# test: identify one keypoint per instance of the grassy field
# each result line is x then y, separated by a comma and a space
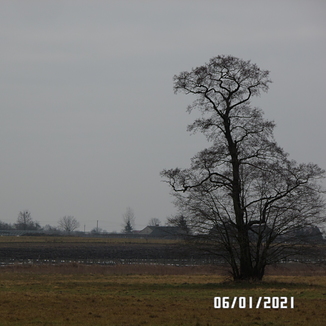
152, 295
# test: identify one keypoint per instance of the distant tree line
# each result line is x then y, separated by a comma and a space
25, 221
69, 224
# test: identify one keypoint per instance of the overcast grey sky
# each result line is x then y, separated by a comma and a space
88, 114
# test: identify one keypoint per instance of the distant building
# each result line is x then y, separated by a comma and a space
309, 233
165, 232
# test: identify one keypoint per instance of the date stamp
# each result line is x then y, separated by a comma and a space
254, 303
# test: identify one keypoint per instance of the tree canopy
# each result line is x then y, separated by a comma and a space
243, 197
129, 220
68, 224
25, 222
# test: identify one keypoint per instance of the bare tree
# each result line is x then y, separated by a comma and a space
129, 220
243, 198
154, 222
179, 221
25, 222
68, 224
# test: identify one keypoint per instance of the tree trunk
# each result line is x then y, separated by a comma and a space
247, 271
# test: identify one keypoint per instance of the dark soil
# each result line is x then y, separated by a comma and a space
75, 251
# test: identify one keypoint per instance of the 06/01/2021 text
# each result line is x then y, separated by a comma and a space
261, 302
